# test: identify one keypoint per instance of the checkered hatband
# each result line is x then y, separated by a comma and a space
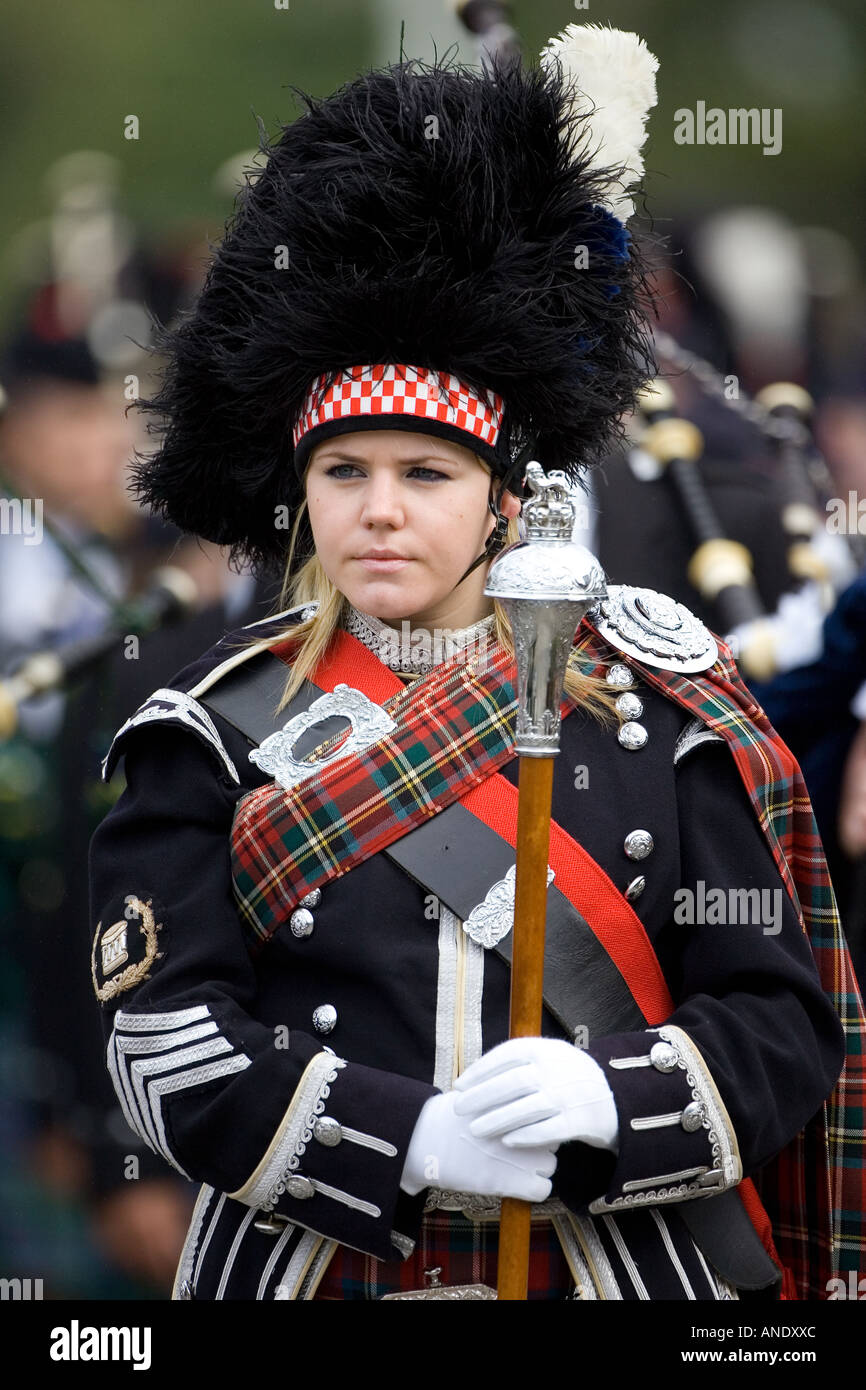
400, 396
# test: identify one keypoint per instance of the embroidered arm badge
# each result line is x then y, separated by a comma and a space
125, 947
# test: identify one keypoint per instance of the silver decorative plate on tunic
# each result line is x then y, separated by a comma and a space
493, 919
369, 721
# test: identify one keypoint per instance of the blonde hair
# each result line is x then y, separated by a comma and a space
309, 584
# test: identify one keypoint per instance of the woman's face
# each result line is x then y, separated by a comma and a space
397, 518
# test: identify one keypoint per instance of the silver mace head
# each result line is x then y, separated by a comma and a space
546, 584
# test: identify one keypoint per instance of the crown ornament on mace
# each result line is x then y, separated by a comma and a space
546, 584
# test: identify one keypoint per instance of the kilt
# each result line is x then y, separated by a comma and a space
465, 1252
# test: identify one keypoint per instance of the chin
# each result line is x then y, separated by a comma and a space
387, 601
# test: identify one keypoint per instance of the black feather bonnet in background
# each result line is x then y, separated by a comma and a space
377, 234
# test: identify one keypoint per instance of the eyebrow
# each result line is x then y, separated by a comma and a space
353, 458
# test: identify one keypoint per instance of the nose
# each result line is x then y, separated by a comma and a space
382, 504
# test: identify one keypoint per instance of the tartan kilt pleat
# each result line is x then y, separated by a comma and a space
464, 1251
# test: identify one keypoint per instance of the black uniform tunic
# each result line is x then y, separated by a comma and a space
220, 1066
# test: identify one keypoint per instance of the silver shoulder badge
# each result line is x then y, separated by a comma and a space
655, 629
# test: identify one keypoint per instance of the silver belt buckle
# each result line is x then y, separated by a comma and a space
436, 1290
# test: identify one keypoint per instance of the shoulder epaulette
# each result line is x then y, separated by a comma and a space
179, 704
654, 629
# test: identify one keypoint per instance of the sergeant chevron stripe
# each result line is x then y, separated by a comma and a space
152, 1055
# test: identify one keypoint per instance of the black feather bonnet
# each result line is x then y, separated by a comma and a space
423, 214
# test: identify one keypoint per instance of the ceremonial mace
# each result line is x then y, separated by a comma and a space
546, 584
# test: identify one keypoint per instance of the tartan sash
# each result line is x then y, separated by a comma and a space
453, 730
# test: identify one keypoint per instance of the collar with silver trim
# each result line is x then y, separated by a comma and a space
416, 652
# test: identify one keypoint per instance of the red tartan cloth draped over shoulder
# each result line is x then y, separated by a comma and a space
815, 1189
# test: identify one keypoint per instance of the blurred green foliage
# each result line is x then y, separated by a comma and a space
195, 72
805, 56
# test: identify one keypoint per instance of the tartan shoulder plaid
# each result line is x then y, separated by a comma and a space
815, 1189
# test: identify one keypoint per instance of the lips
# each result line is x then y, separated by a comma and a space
383, 561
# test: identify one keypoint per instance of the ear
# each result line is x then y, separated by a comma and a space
509, 505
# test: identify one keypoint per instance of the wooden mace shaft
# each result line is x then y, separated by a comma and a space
527, 981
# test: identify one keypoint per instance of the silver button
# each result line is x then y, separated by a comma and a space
327, 1131
185, 1290
638, 844
299, 1186
324, 1018
270, 1225
311, 899
664, 1057
301, 922
635, 888
692, 1117
629, 705
620, 674
632, 735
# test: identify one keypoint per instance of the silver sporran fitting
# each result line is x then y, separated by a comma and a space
546, 584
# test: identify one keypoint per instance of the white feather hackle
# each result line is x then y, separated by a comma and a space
613, 78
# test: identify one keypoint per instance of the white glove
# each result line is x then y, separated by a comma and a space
531, 1091
443, 1153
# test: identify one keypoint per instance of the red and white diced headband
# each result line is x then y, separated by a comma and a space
398, 396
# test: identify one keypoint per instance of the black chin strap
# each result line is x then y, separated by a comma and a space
497, 539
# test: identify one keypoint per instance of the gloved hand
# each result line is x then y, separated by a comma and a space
531, 1091
443, 1153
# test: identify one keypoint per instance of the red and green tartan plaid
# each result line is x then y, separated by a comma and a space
465, 1251
453, 730
456, 728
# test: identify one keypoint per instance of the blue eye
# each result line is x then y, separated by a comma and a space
431, 473
341, 470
